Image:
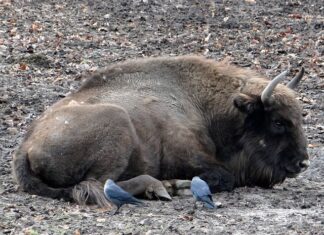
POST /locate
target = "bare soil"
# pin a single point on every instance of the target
(47, 47)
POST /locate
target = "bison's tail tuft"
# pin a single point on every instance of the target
(90, 191)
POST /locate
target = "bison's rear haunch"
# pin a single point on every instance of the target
(168, 118)
(31, 183)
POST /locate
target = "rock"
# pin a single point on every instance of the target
(12, 131)
(146, 221)
(83, 67)
(3, 50)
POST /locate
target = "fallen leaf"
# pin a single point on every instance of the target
(187, 217)
(77, 232)
(267, 23)
(35, 27)
(57, 80)
(313, 145)
(13, 32)
(208, 37)
(23, 66)
(5, 2)
(31, 231)
(101, 220)
(295, 16)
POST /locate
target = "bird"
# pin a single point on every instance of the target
(201, 192)
(118, 196)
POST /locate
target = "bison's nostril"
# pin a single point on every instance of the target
(304, 164)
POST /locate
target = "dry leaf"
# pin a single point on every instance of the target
(187, 217)
(5, 2)
(35, 27)
(57, 80)
(13, 32)
(208, 37)
(295, 16)
(77, 232)
(23, 66)
(101, 220)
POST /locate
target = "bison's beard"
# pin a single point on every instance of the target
(257, 168)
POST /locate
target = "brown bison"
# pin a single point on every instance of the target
(167, 118)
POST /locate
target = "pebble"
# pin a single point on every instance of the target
(12, 131)
(3, 50)
(83, 67)
(146, 221)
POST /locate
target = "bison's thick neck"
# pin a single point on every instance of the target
(226, 130)
(212, 87)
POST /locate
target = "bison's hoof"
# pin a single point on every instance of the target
(177, 187)
(157, 191)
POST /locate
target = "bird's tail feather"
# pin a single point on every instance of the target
(209, 205)
(137, 202)
(208, 202)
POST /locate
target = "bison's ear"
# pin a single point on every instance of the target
(246, 104)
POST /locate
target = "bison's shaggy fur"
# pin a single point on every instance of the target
(171, 118)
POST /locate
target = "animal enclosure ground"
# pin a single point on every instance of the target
(47, 47)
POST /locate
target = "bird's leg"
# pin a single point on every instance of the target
(195, 205)
(117, 211)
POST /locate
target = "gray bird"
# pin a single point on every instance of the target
(118, 196)
(201, 192)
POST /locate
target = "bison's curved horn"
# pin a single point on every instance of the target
(266, 93)
(294, 82)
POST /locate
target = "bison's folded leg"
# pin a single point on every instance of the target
(219, 179)
(177, 187)
(145, 185)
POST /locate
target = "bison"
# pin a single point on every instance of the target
(144, 121)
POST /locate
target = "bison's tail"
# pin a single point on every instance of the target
(89, 191)
(30, 183)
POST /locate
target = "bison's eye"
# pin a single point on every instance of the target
(278, 126)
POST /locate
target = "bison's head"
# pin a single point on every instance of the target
(272, 138)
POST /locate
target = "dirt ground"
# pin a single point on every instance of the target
(47, 47)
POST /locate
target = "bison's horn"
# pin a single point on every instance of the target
(271, 86)
(294, 82)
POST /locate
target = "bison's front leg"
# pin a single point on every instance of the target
(177, 187)
(147, 186)
(219, 179)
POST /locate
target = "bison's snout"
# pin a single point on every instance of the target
(303, 165)
(296, 167)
